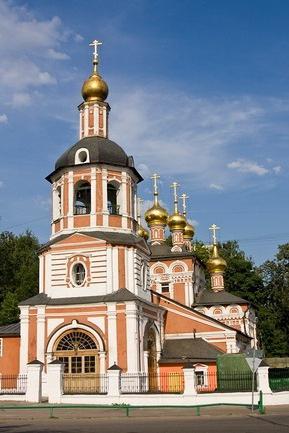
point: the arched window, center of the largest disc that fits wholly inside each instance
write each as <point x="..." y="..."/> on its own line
<point x="112" y="198"/>
<point x="78" y="274"/>
<point x="78" y="351"/>
<point x="82" y="198"/>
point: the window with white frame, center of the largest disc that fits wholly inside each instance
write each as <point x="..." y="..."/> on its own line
<point x="165" y="287"/>
<point x="200" y="378"/>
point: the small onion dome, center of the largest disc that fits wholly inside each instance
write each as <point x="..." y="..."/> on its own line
<point x="94" y="89"/>
<point x="177" y="221"/>
<point x="216" y="264"/>
<point x="156" y="215"/>
<point x="189" y="231"/>
<point x="143" y="233"/>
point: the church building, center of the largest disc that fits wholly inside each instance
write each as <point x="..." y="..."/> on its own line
<point x="111" y="292"/>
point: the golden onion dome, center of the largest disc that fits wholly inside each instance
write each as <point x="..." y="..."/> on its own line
<point x="143" y="233"/>
<point x="156" y="215"/>
<point x="177" y="221"/>
<point x="94" y="88"/>
<point x="189" y="231"/>
<point x="216" y="264"/>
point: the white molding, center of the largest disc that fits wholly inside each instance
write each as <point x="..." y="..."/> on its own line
<point x="132" y="337"/>
<point x="115" y="269"/>
<point x="112" y="334"/>
<point x="24" y="337"/>
<point x="53" y="323"/>
<point x="74" y="325"/>
<point x="40" y="333"/>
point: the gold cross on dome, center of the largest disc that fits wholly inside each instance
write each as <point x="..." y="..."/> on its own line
<point x="95" y="44"/>
<point x="139" y="206"/>
<point x="184" y="198"/>
<point x="214" y="229"/>
<point x="175" y="186"/>
<point x="155" y="177"/>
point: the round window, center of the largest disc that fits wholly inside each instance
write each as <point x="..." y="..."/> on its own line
<point x="82" y="156"/>
<point x="78" y="274"/>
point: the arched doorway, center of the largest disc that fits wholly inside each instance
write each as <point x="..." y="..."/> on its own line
<point x="79" y="353"/>
<point x="152" y="360"/>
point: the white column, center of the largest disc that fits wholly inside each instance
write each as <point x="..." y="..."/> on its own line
<point x="132" y="337"/>
<point x="40" y="332"/>
<point x="114" y="269"/>
<point x="47" y="258"/>
<point x="93" y="197"/>
<point x="102" y="358"/>
<point x="34" y="382"/>
<point x="263" y="380"/>
<point x="112" y="334"/>
<point x="24" y="330"/>
<point x="123" y="199"/>
<point x="70" y="199"/>
<point x="146" y="361"/>
<point x="105" y="125"/>
<point x="95" y="119"/>
<point x="86" y="121"/>
<point x="55" y="381"/>
<point x="41" y="270"/>
<point x="80" y="124"/>
<point x="130" y="277"/>
<point x="109" y="269"/>
<point x="186" y="294"/>
<point x="190" y="381"/>
<point x="104" y="197"/>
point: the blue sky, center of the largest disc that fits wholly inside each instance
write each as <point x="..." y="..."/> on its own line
<point x="198" y="91"/>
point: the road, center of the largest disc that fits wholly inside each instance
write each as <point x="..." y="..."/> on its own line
<point x="148" y="422"/>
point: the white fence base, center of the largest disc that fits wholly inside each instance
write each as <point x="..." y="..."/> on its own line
<point x="178" y="400"/>
<point x="161" y="399"/>
<point x="12" y="397"/>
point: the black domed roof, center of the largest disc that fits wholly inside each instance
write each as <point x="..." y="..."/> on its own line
<point x="101" y="151"/>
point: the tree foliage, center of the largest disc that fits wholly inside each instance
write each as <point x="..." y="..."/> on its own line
<point x="18" y="272"/>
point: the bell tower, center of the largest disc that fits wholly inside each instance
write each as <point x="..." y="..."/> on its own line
<point x="94" y="184"/>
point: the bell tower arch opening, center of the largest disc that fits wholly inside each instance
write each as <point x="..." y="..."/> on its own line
<point x="82" y="198"/>
<point x="113" y="192"/>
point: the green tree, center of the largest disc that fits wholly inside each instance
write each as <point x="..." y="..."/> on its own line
<point x="18" y="272"/>
<point x="274" y="310"/>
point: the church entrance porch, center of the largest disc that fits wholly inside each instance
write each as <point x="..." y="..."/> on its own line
<point x="79" y="353"/>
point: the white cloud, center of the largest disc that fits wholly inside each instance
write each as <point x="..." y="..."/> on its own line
<point x="216" y="187"/>
<point x="57" y="55"/>
<point x="1" y="183"/>
<point x="27" y="45"/>
<point x="245" y="166"/>
<point x="144" y="170"/>
<point x="78" y="38"/>
<point x="20" y="100"/>
<point x="277" y="169"/>
<point x="3" y="118"/>
<point x="190" y="140"/>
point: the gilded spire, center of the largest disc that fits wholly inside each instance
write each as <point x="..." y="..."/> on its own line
<point x="95" y="59"/>
<point x="140" y="231"/>
<point x="156" y="215"/>
<point x="189" y="230"/>
<point x="216" y="264"/>
<point x="95" y="88"/>
<point x="176" y="221"/>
